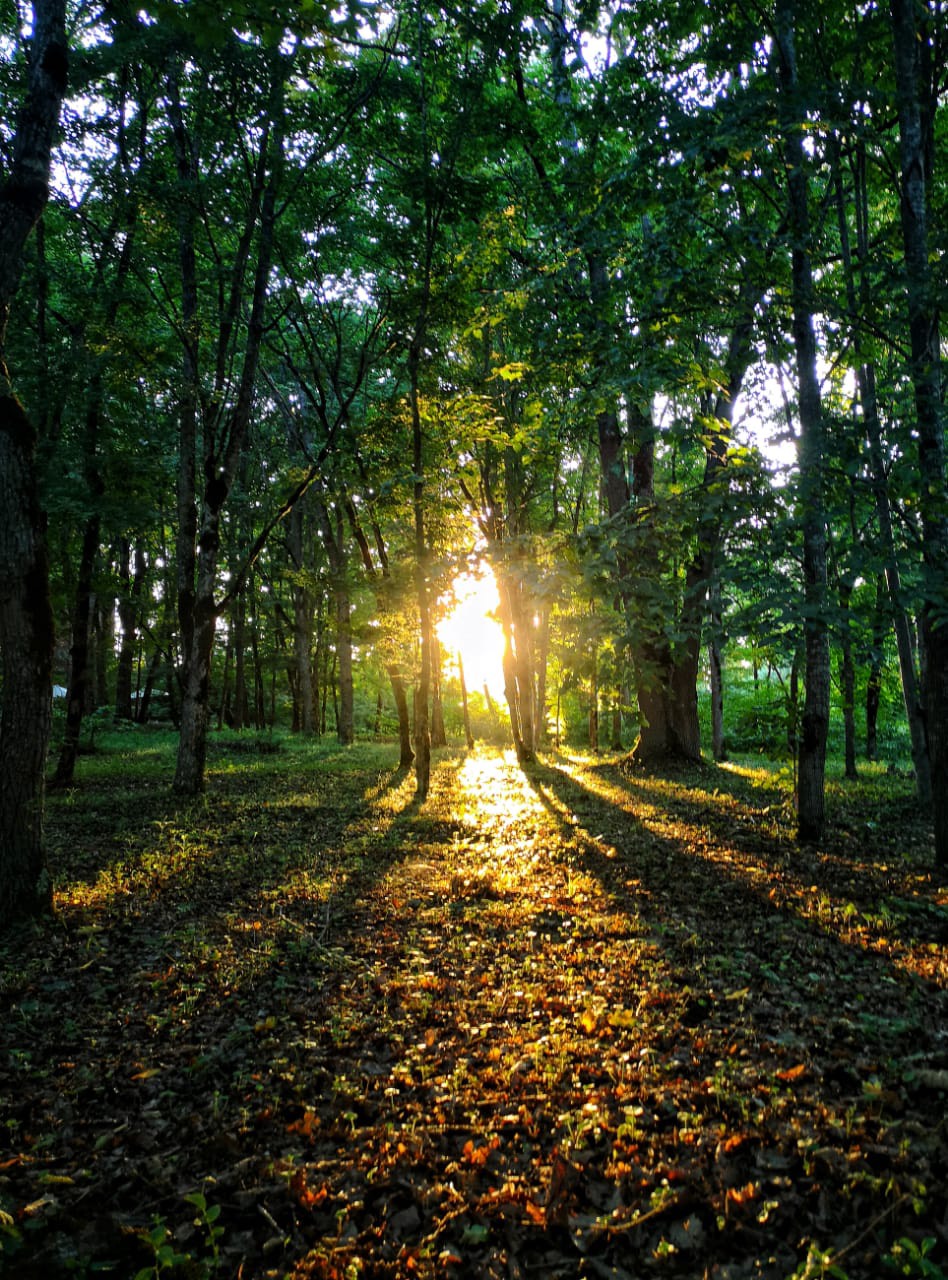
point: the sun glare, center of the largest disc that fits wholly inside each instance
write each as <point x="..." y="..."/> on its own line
<point x="472" y="631"/>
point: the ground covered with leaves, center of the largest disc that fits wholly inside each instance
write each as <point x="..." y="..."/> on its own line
<point x="577" y="1021"/>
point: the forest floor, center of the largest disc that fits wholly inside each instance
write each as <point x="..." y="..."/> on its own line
<point x="575" y="1022"/>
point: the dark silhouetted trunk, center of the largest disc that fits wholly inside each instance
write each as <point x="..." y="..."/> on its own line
<point x="814" y="727"/>
<point x="874" y="679"/>
<point x="912" y="34"/>
<point x="26" y="623"/>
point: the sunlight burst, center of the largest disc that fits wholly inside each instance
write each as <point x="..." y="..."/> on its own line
<point x="471" y="630"/>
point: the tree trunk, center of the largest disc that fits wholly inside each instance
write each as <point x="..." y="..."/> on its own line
<point x="811" y="770"/>
<point x="862" y="302"/>
<point x="195" y="690"/>
<point x="259" y="688"/>
<point x="468" y="735"/>
<point x="103" y="634"/>
<point x="26" y="645"/>
<point x="439" y="737"/>
<point x="132" y="584"/>
<point x="594" y="704"/>
<point x="718" y="742"/>
<point x="79" y="666"/>
<point x="848" y="680"/>
<point x="541" y="730"/>
<point x="225" y="434"/>
<point x="240" y="701"/>
<point x="303" y="706"/>
<point x="922" y="302"/>
<point x="345" y="719"/>
<point x="426" y="630"/>
<point x="26" y="623"/>
<point x="874" y="679"/>
<point x="406" y="755"/>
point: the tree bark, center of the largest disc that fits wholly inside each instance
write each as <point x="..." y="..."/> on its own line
<point x="131" y="588"/>
<point x="465" y="712"/>
<point x="439" y="737"/>
<point x="922" y="306"/>
<point x="304" y="715"/>
<point x="861" y="302"/>
<point x="847" y="680"/>
<point x="225" y="431"/>
<point x="874" y="679"/>
<point x="26" y="622"/>
<point x="79" y="664"/>
<point x="811" y="768"/>
<point x="718" y="742"/>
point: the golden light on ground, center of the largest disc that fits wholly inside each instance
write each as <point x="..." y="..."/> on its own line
<point x="472" y="631"/>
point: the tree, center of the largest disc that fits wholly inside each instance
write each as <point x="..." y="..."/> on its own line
<point x="26" y="635"/>
<point x="912" y="40"/>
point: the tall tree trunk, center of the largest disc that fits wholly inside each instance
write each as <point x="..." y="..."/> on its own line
<point x="874" y="679"/>
<point x="718" y="742"/>
<point x="465" y="711"/>
<point x="686" y="732"/>
<point x="259" y="691"/>
<point x="345" y="719"/>
<point x="594" y="702"/>
<point x="847" y="672"/>
<point x="811" y="768"/>
<point x="426" y="629"/>
<point x="226" y="430"/>
<point x="861" y="302"/>
<point x="132" y="586"/>
<point x="79" y="665"/>
<point x="26" y="622"/>
<point x="406" y="755"/>
<point x="909" y="40"/>
<point x="439" y="737"/>
<point x="240" y="702"/>
<point x="542" y="653"/>
<point x="26" y="645"/>
<point x="303" y="707"/>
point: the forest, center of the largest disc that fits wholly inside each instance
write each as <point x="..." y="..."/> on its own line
<point x="473" y="554"/>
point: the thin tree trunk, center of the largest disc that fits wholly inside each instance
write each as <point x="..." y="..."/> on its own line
<point x="848" y="680"/>
<point x="542" y="651"/>
<point x="103" y="636"/>
<point x="145" y="693"/>
<point x="718" y="744"/>
<point x="922" y="303"/>
<point x="866" y="381"/>
<point x="594" y="703"/>
<point x="874" y="679"/>
<point x="132" y="586"/>
<point x="78" y="657"/>
<point x="345" y="717"/>
<point x="303" y="709"/>
<point x="465" y="712"/>
<point x="439" y="737"/>
<point x="199" y="535"/>
<point x="406" y="755"/>
<point x="815" y="720"/>
<point x="422" y="689"/>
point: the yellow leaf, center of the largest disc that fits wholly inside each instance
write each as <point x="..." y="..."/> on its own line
<point x="588" y="1021"/>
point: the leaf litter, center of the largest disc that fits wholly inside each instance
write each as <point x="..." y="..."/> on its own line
<point x="572" y="1021"/>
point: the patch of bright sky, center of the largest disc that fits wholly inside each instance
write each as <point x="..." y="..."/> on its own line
<point x="471" y="629"/>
